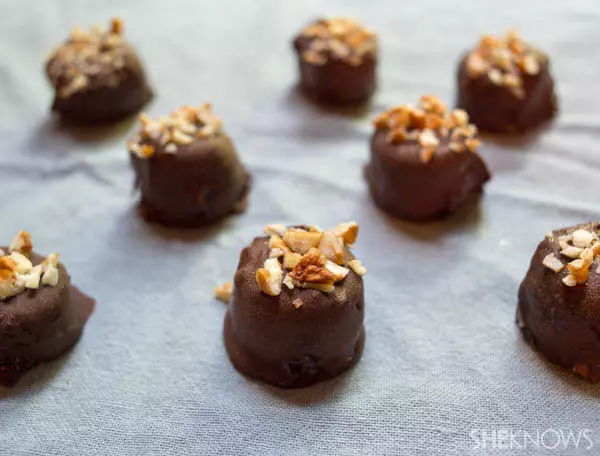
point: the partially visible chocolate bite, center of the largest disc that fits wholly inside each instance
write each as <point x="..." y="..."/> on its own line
<point x="505" y="85"/>
<point x="41" y="314"/>
<point x="424" y="161"/>
<point x="559" y="299"/>
<point x="187" y="169"/>
<point x="337" y="61"/>
<point x="296" y="313"/>
<point x="97" y="76"/>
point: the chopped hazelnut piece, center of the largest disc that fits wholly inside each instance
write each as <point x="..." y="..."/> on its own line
<point x="288" y="282"/>
<point x="277" y="229"/>
<point x="270" y="277"/>
<point x="22" y="263"/>
<point x="223" y="292"/>
<point x="571" y="251"/>
<point x="582" y="238"/>
<point x="32" y="280"/>
<point x="331" y="247"/>
<point x="298" y="303"/>
<point x="553" y="263"/>
<point x="50" y="276"/>
<point x="347" y="231"/>
<point x="21" y="243"/>
<point x="357" y="267"/>
<point x="291" y="259"/>
<point x="569" y="280"/>
<point x="339" y="272"/>
<point x="427" y="155"/>
<point x="312" y="268"/>
<point x="277" y="247"/>
<point x="301" y="241"/>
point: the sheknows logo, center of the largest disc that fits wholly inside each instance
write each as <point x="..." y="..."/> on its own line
<point x="515" y="439"/>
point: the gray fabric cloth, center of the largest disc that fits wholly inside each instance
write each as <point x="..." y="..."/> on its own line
<point x="444" y="364"/>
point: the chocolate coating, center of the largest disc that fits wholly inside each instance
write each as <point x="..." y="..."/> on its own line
<point x="200" y="183"/>
<point x="336" y="82"/>
<point x="405" y="187"/>
<point x="102" y="101"/>
<point x="496" y="109"/>
<point x="561" y="322"/>
<point x="40" y="325"/>
<point x="271" y="340"/>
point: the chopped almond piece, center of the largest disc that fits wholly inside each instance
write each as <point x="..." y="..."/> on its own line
<point x="291" y="259"/>
<point x="331" y="247"/>
<point x="339" y="272"/>
<point x="347" y="231"/>
<point x="223" y="292"/>
<point x="21" y="243"/>
<point x="582" y="238"/>
<point x="357" y="267"/>
<point x="553" y="263"/>
<point x="301" y="241"/>
<point x="275" y="228"/>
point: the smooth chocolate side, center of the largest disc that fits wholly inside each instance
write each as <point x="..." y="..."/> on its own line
<point x="277" y="341"/>
<point x="561" y="322"/>
<point x="405" y="187"/>
<point x="496" y="109"/>
<point x="40" y="325"/>
<point x="200" y="183"/>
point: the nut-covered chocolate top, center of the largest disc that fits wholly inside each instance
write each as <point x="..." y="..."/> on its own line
<point x="504" y="61"/>
<point x="339" y="38"/>
<point x="578" y="247"/>
<point x="181" y="128"/>
<point x="90" y="58"/>
<point x="429" y="124"/>
<point x="17" y="272"/>
<point x="307" y="257"/>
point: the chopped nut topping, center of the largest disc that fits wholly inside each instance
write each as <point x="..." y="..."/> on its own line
<point x="347" y="231"/>
<point x="357" y="267"/>
<point x="270" y="277"/>
<point x="339" y="38"/>
<point x="582" y="247"/>
<point x="331" y="247"/>
<point x="429" y="125"/>
<point x="298" y="303"/>
<point x="17" y="272"/>
<point x="315" y="258"/>
<point x="178" y="129"/>
<point x="277" y="229"/>
<point x="301" y="241"/>
<point x="551" y="262"/>
<point x="505" y="61"/>
<point x="21" y="243"/>
<point x="290" y="260"/>
<point x="223" y="292"/>
<point x="86" y="59"/>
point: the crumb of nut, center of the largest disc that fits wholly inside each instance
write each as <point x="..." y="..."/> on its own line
<point x="582" y="238"/>
<point x="530" y="65"/>
<point x="472" y="144"/>
<point x="298" y="303"/>
<point x="21" y="243"/>
<point x="427" y="138"/>
<point x="301" y="241"/>
<point x="116" y="26"/>
<point x="571" y="251"/>
<point x="331" y="247"/>
<point x="347" y="231"/>
<point x="579" y="269"/>
<point x="339" y="272"/>
<point x="476" y="65"/>
<point x="357" y="267"/>
<point x="33" y="278"/>
<point x="291" y="259"/>
<point x="553" y="263"/>
<point x="397" y="135"/>
<point x="312" y="268"/>
<point x="569" y="280"/>
<point x="7" y="264"/>
<point x="223" y="292"/>
<point x="22" y="264"/>
<point x="495" y="76"/>
<point x="171" y="148"/>
<point x="50" y="276"/>
<point x="277" y="246"/>
<point x="270" y="277"/>
<point x="288" y="282"/>
<point x="275" y="228"/>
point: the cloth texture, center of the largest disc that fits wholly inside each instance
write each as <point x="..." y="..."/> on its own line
<point x="444" y="362"/>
